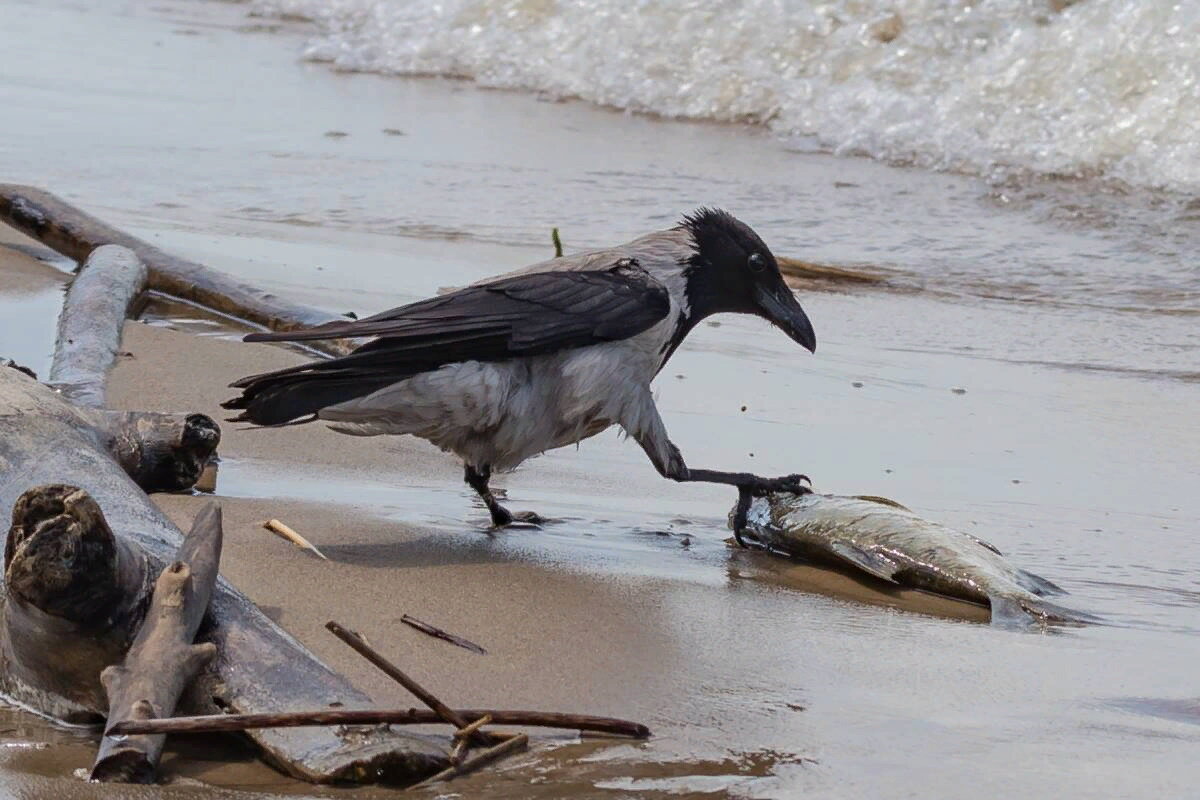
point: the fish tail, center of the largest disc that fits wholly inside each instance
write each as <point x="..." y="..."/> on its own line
<point x="1022" y="611"/>
<point x="1037" y="584"/>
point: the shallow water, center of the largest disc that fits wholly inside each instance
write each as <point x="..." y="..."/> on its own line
<point x="1067" y="311"/>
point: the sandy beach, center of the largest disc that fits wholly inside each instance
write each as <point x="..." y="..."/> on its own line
<point x="1029" y="376"/>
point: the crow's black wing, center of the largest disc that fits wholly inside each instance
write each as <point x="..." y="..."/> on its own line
<point x="520" y="316"/>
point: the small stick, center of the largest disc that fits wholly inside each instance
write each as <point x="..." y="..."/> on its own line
<point x="461" y="746"/>
<point x="514" y="743"/>
<point x="224" y="723"/>
<point x="360" y="646"/>
<point x="466" y="731"/>
<point x="284" y="532"/>
<point x="438" y="633"/>
<point x="462" y="738"/>
<point x="557" y="242"/>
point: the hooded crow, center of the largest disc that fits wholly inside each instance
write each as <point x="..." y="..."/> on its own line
<point x="517" y="365"/>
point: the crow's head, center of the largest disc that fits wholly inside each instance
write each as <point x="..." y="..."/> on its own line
<point x="733" y="270"/>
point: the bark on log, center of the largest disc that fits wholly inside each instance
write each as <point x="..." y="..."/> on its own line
<point x="163" y="658"/>
<point x="89" y="328"/>
<point x="75" y="234"/>
<point x="52" y="661"/>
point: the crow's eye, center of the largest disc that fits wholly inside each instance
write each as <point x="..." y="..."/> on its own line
<point x="756" y="262"/>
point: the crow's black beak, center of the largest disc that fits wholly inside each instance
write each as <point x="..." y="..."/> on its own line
<point x="778" y="305"/>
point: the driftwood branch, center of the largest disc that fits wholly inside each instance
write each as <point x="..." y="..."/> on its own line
<point x="89" y="328"/>
<point x="73" y="591"/>
<point x="447" y="714"/>
<point x="438" y="633"/>
<point x="224" y="723"/>
<point x="163" y="659"/>
<point x="75" y="234"/>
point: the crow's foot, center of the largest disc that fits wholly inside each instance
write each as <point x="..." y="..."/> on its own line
<point x="787" y="483"/>
<point x="503" y="518"/>
<point x="759" y="487"/>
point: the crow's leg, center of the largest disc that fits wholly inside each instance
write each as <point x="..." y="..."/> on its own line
<point x="478" y="479"/>
<point x="755" y="484"/>
<point x="647" y="428"/>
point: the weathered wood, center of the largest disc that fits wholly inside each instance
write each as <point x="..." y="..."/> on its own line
<point x="75" y="234"/>
<point x="461" y="748"/>
<point x="438" y="633"/>
<point x="89" y="328"/>
<point x="72" y="592"/>
<point x="161" y="452"/>
<point x="8" y="362"/>
<point x="163" y="658"/>
<point x="52" y="663"/>
<point x="224" y="723"/>
<point x="481" y="759"/>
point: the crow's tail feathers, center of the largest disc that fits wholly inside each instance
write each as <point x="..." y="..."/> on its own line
<point x="294" y="397"/>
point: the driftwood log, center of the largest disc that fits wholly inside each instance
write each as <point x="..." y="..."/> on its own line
<point x="98" y="301"/>
<point x="158" y="451"/>
<point x="75" y="233"/>
<point x="55" y="638"/>
<point x="163" y="659"/>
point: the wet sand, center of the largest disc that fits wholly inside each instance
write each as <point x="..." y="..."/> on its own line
<point x="1072" y="448"/>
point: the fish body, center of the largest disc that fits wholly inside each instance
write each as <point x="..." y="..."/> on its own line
<point x="885" y="539"/>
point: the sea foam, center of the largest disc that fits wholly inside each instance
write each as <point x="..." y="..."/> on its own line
<point x="1107" y="88"/>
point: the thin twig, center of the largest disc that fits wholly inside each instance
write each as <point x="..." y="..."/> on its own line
<point x="459" y="752"/>
<point x="284" y="532"/>
<point x="470" y="728"/>
<point x="218" y="723"/>
<point x="438" y="633"/>
<point x="557" y="243"/>
<point x="360" y="646"/>
<point x="512" y="744"/>
<point x="462" y="739"/>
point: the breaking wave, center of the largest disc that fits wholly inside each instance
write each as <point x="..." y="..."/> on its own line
<point x="1107" y="88"/>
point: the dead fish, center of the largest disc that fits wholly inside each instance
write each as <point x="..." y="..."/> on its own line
<point x="885" y="539"/>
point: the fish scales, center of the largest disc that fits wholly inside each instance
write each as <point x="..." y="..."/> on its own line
<point x="885" y="539"/>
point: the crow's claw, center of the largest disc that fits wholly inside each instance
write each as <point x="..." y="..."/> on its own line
<point x="739" y="516"/>
<point x="787" y="483"/>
